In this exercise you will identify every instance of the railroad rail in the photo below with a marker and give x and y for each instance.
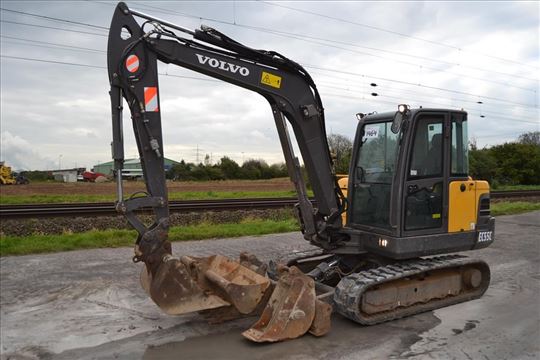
(108, 209)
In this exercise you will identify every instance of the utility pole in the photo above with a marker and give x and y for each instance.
(60, 162)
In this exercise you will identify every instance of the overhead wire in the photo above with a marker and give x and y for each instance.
(96, 66)
(380, 99)
(262, 29)
(88, 49)
(102, 51)
(52, 27)
(55, 19)
(323, 82)
(96, 50)
(392, 80)
(73, 47)
(394, 33)
(415, 84)
(391, 90)
(205, 79)
(302, 37)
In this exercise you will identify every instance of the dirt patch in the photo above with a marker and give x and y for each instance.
(109, 188)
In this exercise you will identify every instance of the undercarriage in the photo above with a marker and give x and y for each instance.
(298, 297)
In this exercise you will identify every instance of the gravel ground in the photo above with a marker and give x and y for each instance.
(89, 305)
(61, 225)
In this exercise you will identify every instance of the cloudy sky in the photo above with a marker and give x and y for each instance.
(54, 85)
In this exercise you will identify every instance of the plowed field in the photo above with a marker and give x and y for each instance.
(109, 188)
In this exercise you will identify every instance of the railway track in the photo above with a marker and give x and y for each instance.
(107, 208)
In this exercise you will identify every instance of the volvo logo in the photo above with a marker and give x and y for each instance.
(223, 65)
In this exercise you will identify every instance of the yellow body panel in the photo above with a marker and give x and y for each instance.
(343, 182)
(463, 205)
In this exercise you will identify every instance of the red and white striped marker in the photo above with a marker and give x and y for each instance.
(132, 63)
(151, 99)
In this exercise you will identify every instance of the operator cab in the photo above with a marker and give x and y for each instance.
(409, 178)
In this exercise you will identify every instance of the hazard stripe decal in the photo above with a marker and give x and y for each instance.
(132, 63)
(151, 99)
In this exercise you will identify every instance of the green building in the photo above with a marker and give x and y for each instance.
(130, 165)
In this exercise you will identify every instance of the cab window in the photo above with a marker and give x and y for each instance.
(427, 151)
(459, 154)
(373, 174)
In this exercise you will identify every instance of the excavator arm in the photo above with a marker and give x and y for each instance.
(133, 52)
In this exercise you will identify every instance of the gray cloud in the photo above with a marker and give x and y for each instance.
(49, 109)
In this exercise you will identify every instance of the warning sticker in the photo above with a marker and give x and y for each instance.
(151, 99)
(132, 63)
(271, 80)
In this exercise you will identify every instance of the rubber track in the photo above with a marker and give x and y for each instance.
(349, 291)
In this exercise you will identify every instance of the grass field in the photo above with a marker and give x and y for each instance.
(17, 245)
(516, 187)
(513, 207)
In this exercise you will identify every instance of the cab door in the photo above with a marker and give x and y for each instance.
(425, 192)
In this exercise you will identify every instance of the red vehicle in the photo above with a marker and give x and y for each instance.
(91, 176)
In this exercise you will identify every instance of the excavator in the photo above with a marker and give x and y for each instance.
(386, 236)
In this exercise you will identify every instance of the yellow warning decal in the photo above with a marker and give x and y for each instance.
(436, 216)
(271, 80)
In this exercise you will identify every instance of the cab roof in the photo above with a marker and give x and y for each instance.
(390, 114)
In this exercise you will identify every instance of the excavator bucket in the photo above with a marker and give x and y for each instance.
(192, 284)
(175, 291)
(290, 311)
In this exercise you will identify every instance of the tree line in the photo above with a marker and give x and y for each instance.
(255, 169)
(512, 163)
(226, 169)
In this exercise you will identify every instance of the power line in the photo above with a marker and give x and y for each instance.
(392, 90)
(303, 37)
(423, 66)
(55, 19)
(419, 85)
(360, 87)
(52, 61)
(75, 48)
(378, 99)
(213, 80)
(322, 44)
(46, 46)
(95, 66)
(362, 75)
(394, 33)
(52, 27)
(197, 78)
(497, 135)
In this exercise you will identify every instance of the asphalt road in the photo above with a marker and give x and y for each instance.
(89, 305)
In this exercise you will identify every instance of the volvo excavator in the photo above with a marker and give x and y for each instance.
(387, 236)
